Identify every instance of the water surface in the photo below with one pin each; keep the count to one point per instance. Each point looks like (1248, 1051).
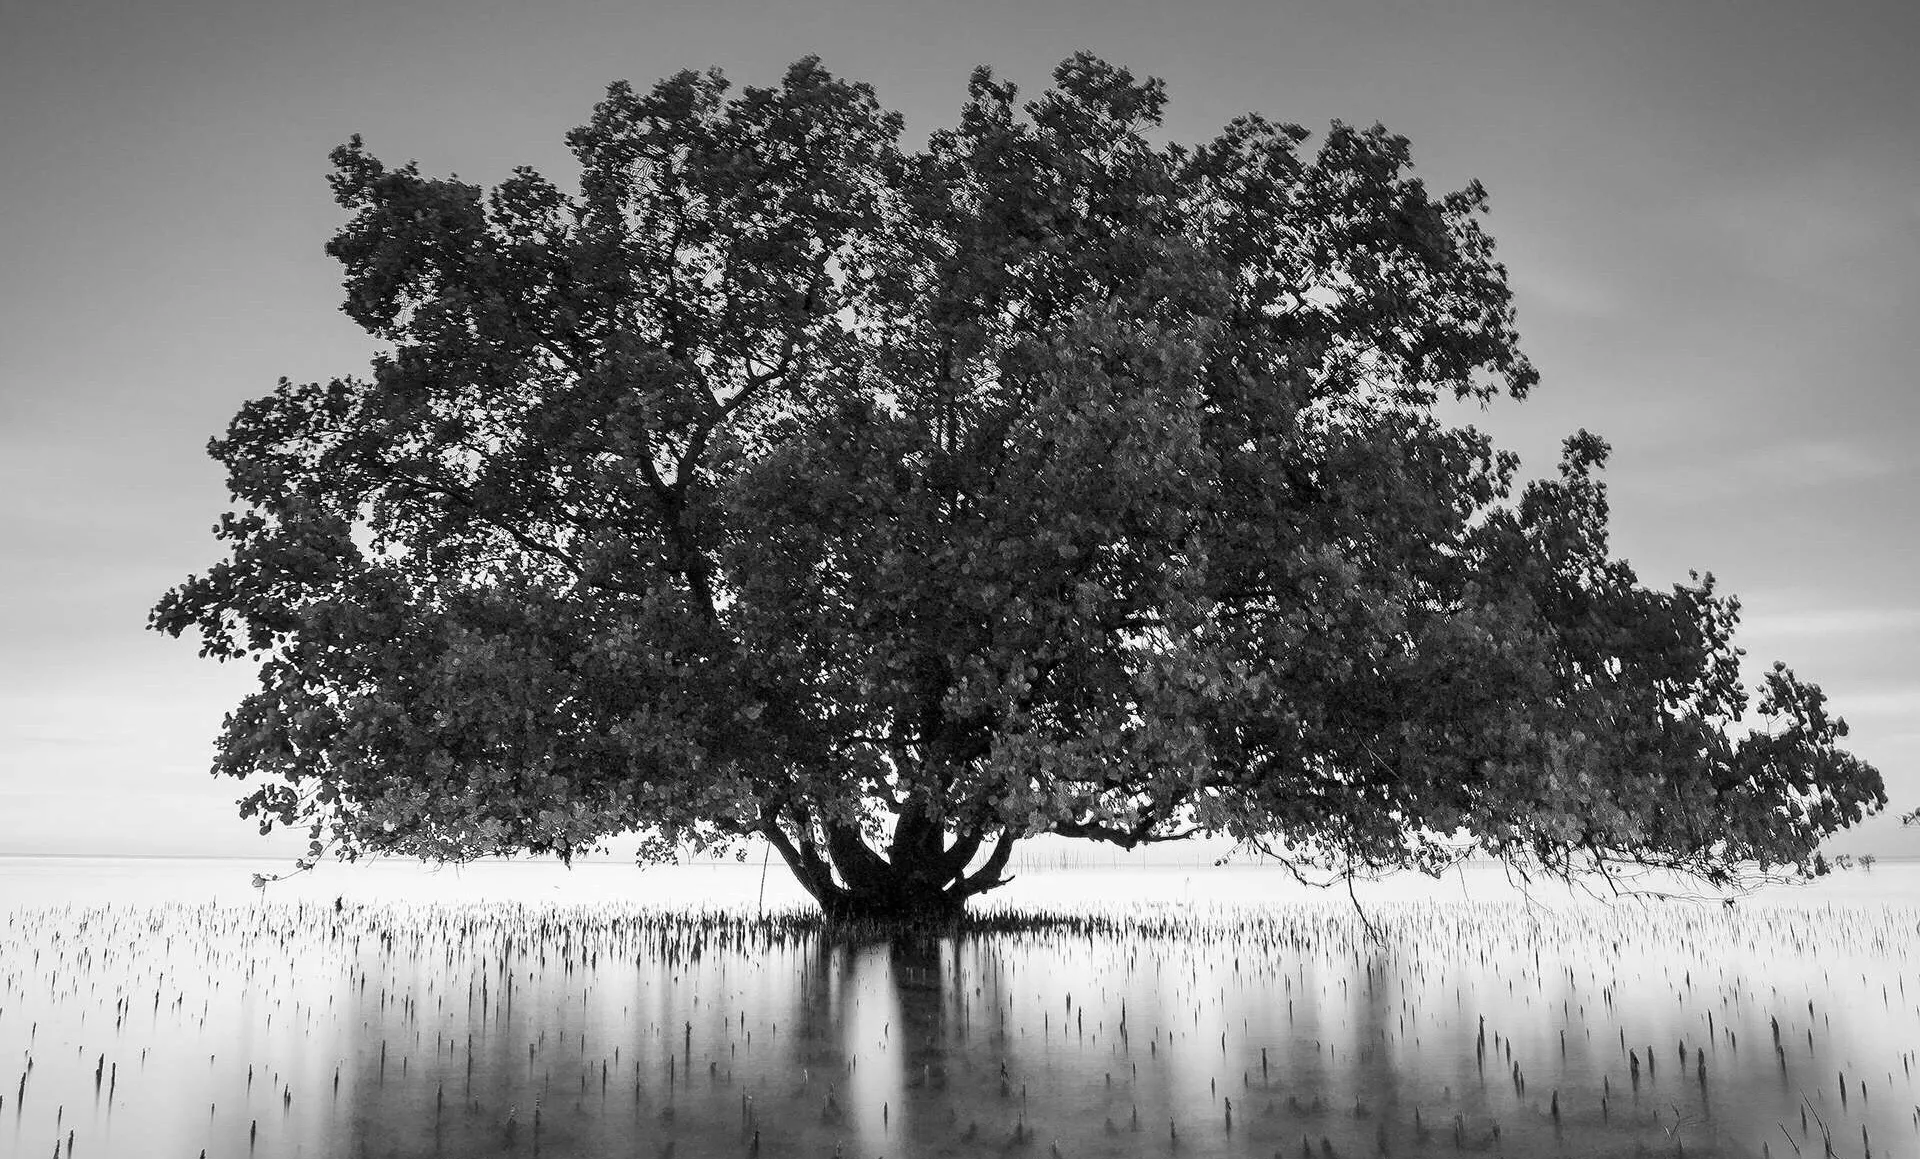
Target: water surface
(522, 1010)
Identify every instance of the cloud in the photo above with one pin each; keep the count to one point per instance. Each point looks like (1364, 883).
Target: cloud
(199, 823)
(1563, 289)
(1895, 703)
(1792, 465)
(1842, 226)
(1828, 622)
(1823, 460)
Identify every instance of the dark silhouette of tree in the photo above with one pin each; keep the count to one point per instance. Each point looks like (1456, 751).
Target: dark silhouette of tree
(896, 505)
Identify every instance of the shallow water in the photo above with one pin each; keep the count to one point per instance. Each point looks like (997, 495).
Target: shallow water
(91, 880)
(289, 1025)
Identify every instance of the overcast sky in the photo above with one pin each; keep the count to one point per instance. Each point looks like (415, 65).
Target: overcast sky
(1710, 211)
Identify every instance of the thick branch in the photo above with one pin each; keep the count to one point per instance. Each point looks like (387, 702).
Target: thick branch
(988, 876)
(806, 863)
(954, 861)
(1139, 833)
(860, 866)
(454, 493)
(1124, 838)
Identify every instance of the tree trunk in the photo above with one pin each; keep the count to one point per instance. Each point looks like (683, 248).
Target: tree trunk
(923, 879)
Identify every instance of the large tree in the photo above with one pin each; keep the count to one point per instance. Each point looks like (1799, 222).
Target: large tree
(894, 506)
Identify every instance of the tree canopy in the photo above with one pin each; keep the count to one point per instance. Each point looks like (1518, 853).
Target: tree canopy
(895, 505)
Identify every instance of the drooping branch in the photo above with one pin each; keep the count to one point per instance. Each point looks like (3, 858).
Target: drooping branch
(1127, 838)
(1141, 832)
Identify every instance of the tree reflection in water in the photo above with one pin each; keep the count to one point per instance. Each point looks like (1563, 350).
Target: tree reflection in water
(526, 1030)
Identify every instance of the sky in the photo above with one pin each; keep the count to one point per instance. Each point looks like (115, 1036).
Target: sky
(1710, 212)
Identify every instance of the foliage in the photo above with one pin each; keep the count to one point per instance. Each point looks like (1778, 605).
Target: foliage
(895, 505)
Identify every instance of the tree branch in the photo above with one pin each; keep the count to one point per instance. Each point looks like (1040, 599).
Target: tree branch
(1124, 838)
(988, 876)
(805, 862)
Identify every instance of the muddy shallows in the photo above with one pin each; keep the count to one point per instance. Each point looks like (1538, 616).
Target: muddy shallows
(1151, 1030)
